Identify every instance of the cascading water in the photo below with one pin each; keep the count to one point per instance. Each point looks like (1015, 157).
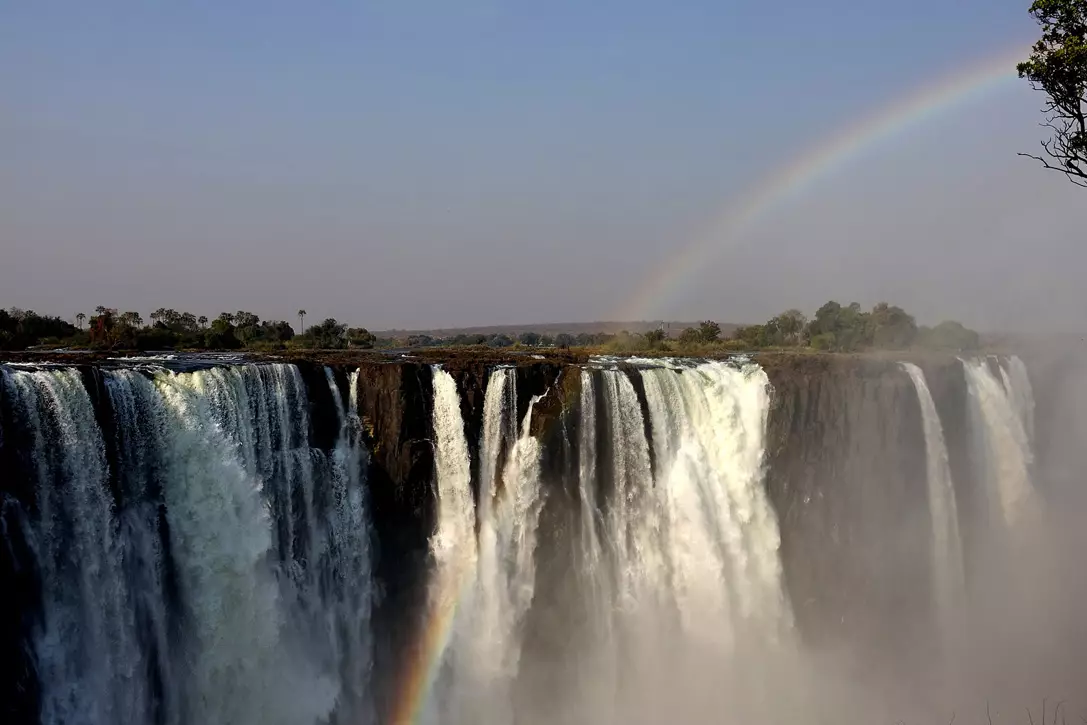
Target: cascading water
(722, 543)
(163, 600)
(90, 663)
(689, 536)
(344, 590)
(1001, 440)
(453, 546)
(632, 521)
(589, 538)
(947, 566)
(496, 575)
(1017, 384)
(202, 546)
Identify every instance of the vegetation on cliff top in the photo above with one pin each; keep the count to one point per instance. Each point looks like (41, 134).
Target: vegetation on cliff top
(833, 327)
(168, 329)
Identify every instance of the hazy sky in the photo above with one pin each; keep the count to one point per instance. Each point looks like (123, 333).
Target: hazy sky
(418, 163)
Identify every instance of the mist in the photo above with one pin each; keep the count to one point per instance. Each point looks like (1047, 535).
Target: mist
(861, 634)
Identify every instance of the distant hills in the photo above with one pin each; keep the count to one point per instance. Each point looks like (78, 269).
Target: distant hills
(671, 327)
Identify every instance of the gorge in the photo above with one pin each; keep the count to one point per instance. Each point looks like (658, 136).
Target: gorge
(194, 540)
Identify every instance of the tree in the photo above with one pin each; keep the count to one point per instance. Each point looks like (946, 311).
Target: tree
(753, 335)
(654, 338)
(245, 319)
(360, 337)
(102, 326)
(80, 318)
(276, 331)
(1058, 67)
(130, 321)
(948, 335)
(532, 339)
(246, 327)
(840, 328)
(302, 322)
(202, 321)
(690, 336)
(329, 334)
(709, 331)
(790, 324)
(892, 327)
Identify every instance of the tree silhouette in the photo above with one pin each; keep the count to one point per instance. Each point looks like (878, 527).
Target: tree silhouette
(302, 321)
(79, 319)
(1058, 67)
(202, 320)
(709, 330)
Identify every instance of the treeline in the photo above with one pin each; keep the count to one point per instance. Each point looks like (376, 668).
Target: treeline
(20, 329)
(849, 328)
(500, 340)
(169, 329)
(834, 327)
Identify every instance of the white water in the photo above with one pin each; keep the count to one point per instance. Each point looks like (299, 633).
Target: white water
(229, 437)
(248, 641)
(453, 545)
(89, 659)
(722, 543)
(632, 522)
(947, 565)
(138, 432)
(496, 577)
(1017, 384)
(1001, 440)
(345, 576)
(689, 539)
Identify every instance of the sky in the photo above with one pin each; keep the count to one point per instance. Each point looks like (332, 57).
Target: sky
(420, 164)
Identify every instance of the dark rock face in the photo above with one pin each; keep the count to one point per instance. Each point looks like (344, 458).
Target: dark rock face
(394, 407)
(1058, 376)
(847, 477)
(19, 580)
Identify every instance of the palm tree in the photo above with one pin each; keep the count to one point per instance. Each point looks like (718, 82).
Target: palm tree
(79, 319)
(302, 321)
(203, 320)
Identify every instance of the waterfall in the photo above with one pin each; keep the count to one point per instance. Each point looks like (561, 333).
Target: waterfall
(1001, 440)
(633, 525)
(90, 663)
(496, 577)
(722, 546)
(589, 540)
(201, 545)
(453, 545)
(597, 666)
(1017, 384)
(191, 568)
(689, 541)
(947, 562)
(345, 575)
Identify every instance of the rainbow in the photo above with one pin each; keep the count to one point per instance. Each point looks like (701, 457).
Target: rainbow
(833, 152)
(423, 662)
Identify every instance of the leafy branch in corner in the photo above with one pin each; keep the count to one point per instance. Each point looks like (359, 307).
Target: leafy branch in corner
(1058, 66)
